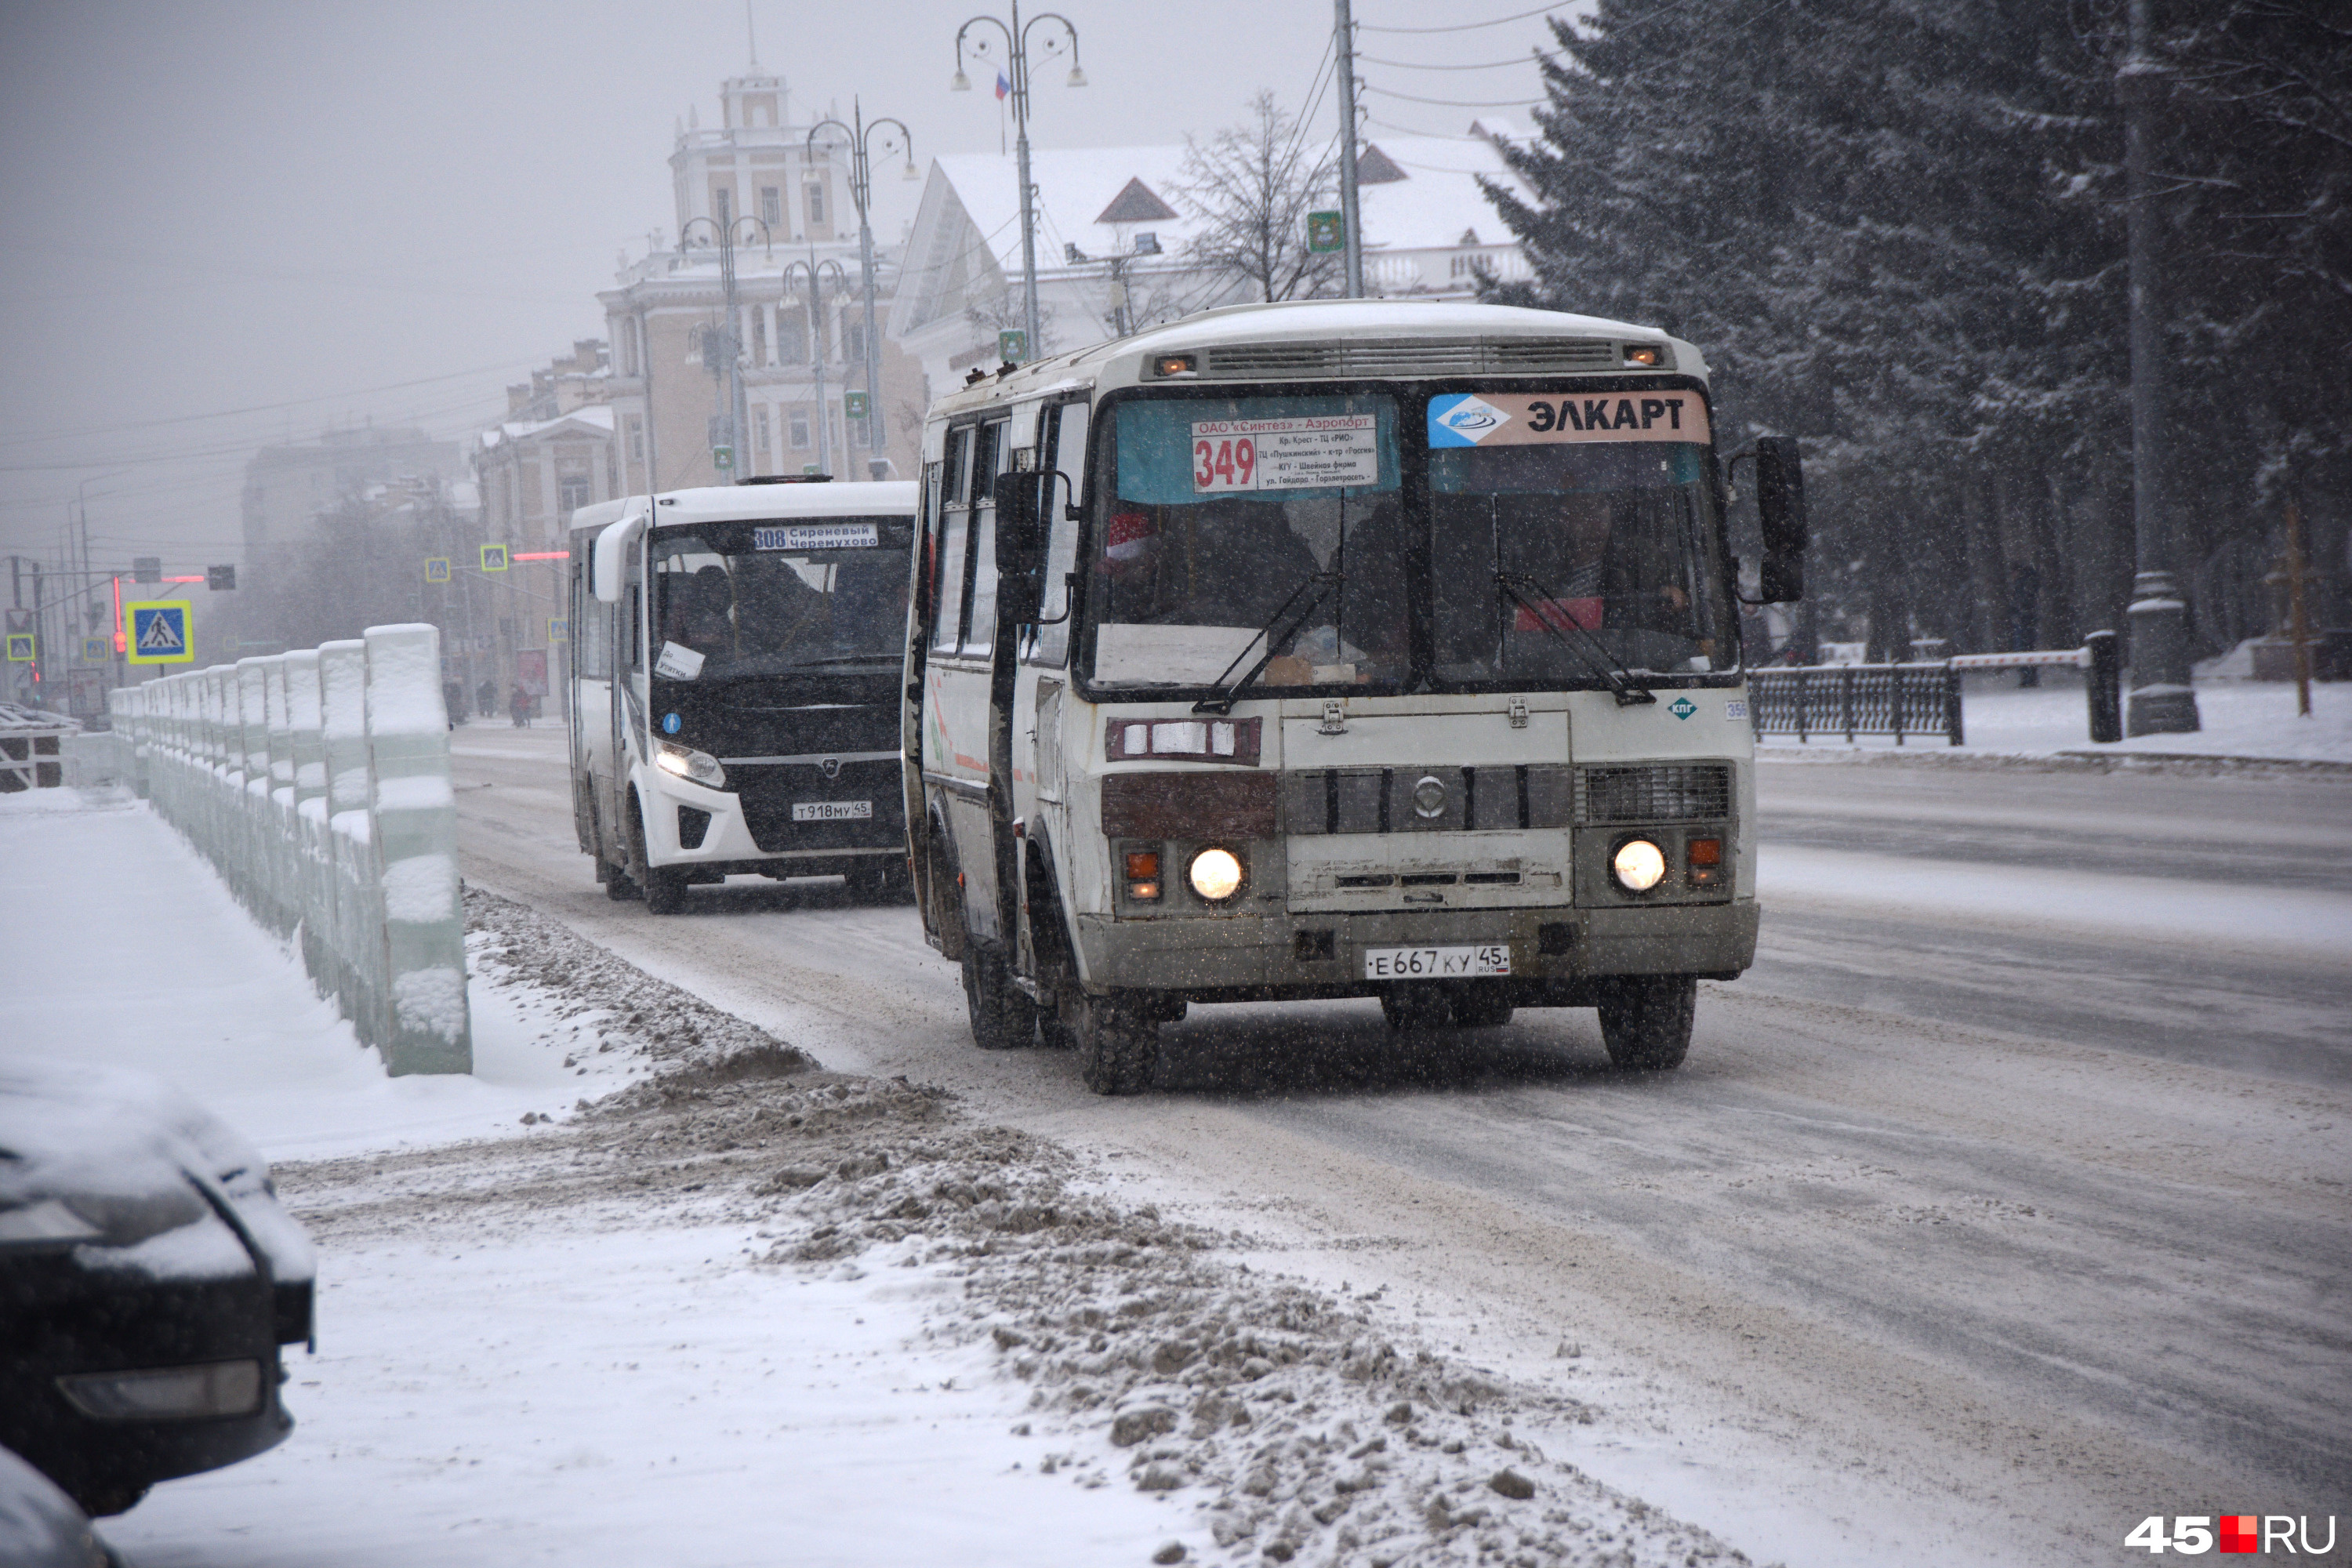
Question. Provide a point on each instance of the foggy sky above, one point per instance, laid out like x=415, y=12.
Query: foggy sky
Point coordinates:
x=391, y=210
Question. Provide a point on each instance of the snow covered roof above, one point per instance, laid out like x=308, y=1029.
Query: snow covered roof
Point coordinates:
x=596, y=416
x=1425, y=196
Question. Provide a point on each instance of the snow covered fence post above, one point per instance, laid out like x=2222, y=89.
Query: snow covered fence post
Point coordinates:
x=248, y=875
x=282, y=847
x=356, y=910
x=416, y=840
x=308, y=817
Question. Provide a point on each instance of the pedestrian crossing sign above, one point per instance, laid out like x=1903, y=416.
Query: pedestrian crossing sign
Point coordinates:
x=20, y=648
x=437, y=569
x=95, y=651
x=157, y=633
x=559, y=628
x=493, y=557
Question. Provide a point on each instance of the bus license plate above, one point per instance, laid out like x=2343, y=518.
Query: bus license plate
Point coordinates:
x=832, y=810
x=1436, y=963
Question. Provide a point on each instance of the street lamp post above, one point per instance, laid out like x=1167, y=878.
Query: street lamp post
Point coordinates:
x=861, y=188
x=1016, y=44
x=2162, y=700
x=730, y=343
x=816, y=270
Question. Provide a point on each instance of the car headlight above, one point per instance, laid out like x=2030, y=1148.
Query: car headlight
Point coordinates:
x=1638, y=865
x=701, y=766
x=1215, y=874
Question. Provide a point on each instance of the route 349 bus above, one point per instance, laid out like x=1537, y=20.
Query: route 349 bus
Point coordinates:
x=1339, y=648
x=736, y=656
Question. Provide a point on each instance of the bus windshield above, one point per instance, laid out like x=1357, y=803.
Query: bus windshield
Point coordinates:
x=1240, y=519
x=1558, y=544
x=762, y=599
x=1540, y=551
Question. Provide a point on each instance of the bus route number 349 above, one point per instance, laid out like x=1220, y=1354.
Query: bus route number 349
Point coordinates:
x=1437, y=962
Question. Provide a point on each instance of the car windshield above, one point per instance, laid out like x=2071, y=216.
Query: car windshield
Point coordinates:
x=1239, y=518
x=1550, y=542
x=760, y=599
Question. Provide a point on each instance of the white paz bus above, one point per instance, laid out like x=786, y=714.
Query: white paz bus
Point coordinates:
x=734, y=699
x=1343, y=648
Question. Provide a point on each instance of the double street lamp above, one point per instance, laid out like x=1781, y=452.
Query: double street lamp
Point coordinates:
x=861, y=135
x=730, y=347
x=1016, y=67
x=816, y=270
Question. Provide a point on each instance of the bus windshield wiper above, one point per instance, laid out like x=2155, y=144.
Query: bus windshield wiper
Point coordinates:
x=1322, y=583
x=1553, y=617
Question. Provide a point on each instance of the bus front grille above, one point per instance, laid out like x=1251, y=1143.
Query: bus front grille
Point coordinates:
x=1652, y=792
x=769, y=793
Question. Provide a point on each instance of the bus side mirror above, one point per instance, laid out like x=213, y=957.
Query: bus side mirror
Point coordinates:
x=608, y=561
x=1781, y=509
x=1021, y=506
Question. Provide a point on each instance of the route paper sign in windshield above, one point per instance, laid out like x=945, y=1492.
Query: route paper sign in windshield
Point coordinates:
x=1515, y=419
x=1300, y=453
x=818, y=536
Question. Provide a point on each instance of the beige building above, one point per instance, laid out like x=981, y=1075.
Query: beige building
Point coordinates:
x=787, y=207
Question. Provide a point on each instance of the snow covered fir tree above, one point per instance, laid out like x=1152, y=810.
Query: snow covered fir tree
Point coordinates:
x=1897, y=228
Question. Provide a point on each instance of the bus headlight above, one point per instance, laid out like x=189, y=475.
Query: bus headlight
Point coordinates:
x=1216, y=875
x=1638, y=865
x=701, y=766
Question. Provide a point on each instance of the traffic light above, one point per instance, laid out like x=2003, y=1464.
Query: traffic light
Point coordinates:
x=147, y=569
x=220, y=579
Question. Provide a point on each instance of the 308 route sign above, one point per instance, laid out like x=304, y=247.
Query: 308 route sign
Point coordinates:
x=157, y=632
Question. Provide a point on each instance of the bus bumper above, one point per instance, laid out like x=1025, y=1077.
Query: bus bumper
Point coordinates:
x=1555, y=952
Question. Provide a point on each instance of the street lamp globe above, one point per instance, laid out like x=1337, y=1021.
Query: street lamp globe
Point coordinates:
x=961, y=83
x=1077, y=77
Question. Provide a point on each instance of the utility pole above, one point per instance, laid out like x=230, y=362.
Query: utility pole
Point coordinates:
x=2162, y=700
x=1016, y=46
x=1343, y=45
x=861, y=191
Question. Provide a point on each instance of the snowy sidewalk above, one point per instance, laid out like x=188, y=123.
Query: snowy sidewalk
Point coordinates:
x=123, y=948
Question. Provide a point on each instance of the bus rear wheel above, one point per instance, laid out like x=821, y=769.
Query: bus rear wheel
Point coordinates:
x=1646, y=1021
x=1117, y=1043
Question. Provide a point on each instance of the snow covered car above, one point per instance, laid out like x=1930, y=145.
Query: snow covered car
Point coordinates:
x=148, y=1277
x=39, y=1525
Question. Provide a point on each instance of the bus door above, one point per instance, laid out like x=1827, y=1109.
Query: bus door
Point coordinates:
x=956, y=676
x=1041, y=693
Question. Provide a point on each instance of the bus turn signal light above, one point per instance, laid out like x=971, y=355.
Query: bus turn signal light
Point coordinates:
x=1706, y=851
x=1143, y=874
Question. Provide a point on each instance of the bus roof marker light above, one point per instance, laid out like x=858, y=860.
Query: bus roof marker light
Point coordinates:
x=1166, y=366
x=1642, y=354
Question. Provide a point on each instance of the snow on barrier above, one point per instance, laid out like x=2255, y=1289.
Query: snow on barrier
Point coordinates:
x=317, y=782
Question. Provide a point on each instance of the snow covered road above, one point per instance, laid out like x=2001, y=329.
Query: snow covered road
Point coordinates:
x=2003, y=1204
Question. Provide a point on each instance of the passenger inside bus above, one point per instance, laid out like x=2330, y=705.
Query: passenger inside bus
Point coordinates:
x=1241, y=563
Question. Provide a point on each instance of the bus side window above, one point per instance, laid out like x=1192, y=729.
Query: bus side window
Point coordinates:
x=988, y=459
x=592, y=627
x=951, y=519
x=1066, y=444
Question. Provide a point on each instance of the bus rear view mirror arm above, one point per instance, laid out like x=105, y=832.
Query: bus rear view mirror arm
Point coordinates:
x=608, y=565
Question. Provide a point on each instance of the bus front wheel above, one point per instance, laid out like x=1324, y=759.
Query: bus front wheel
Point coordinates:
x=1117, y=1043
x=1646, y=1021
x=1002, y=1017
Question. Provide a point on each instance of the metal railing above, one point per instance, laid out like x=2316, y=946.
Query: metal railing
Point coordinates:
x=1919, y=699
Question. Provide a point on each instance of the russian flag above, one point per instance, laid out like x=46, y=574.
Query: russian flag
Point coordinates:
x=1004, y=87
